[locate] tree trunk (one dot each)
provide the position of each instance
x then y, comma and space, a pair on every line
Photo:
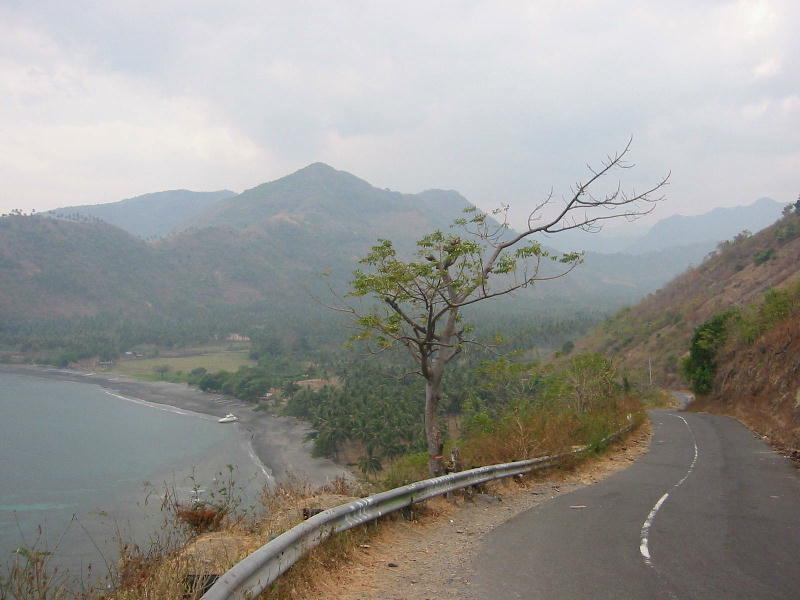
433, 390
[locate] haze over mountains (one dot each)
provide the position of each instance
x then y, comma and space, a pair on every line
261, 250
150, 215
678, 230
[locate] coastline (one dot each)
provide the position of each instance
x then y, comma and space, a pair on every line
275, 442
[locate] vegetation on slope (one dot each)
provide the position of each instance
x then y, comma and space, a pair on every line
149, 216
72, 289
756, 365
657, 332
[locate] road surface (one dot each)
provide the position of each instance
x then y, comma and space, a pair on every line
709, 512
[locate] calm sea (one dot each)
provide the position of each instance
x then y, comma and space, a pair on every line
78, 464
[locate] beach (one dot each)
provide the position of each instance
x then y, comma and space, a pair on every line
278, 443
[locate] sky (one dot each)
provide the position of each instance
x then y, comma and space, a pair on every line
502, 101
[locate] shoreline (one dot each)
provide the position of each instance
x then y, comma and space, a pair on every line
277, 443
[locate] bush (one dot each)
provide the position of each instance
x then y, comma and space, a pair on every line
700, 366
764, 255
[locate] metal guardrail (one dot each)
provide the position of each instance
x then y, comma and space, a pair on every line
248, 578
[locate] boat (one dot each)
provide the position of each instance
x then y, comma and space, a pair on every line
229, 418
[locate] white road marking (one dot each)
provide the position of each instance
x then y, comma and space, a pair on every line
646, 528
648, 522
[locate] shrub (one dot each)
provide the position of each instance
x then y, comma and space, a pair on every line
764, 255
700, 366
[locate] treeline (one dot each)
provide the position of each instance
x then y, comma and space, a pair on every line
61, 341
502, 409
374, 400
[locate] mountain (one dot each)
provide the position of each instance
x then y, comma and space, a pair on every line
255, 252
324, 201
708, 228
56, 268
701, 231
656, 333
255, 258
150, 215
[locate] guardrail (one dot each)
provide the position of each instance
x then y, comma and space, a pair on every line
248, 578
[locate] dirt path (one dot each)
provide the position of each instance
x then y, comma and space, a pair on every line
430, 558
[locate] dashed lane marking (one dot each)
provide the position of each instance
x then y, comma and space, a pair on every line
644, 548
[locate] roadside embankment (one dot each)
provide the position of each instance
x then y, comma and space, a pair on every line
430, 556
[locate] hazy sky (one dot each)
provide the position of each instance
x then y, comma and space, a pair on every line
105, 100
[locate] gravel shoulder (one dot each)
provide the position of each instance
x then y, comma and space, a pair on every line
431, 557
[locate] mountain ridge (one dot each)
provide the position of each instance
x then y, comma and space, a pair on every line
260, 254
150, 215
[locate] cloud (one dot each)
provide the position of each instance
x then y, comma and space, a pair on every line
498, 101
73, 132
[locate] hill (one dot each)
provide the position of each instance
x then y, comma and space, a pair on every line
756, 368
254, 260
147, 216
250, 263
657, 332
676, 232
58, 268
709, 228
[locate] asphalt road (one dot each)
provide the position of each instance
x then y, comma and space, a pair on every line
709, 512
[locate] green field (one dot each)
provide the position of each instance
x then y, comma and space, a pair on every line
217, 360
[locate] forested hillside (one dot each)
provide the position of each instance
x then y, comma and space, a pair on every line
148, 216
249, 262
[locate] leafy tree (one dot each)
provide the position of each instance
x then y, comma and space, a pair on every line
793, 208
700, 366
417, 304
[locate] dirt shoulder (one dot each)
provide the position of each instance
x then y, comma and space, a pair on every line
431, 557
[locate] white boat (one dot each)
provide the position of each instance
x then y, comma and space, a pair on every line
229, 418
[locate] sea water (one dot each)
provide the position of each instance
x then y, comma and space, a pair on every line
82, 467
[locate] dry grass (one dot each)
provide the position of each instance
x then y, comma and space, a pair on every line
529, 433
659, 329
197, 543
142, 368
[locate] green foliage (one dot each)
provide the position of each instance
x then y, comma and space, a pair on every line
764, 255
792, 209
374, 405
406, 469
576, 401
760, 317
788, 231
161, 370
446, 273
743, 325
700, 366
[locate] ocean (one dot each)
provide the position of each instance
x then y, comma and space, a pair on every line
81, 467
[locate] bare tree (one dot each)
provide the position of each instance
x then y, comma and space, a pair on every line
419, 301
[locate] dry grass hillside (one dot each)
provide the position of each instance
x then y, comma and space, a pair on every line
659, 329
759, 382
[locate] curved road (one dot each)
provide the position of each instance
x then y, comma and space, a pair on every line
709, 512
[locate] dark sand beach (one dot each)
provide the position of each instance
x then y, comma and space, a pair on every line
278, 442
